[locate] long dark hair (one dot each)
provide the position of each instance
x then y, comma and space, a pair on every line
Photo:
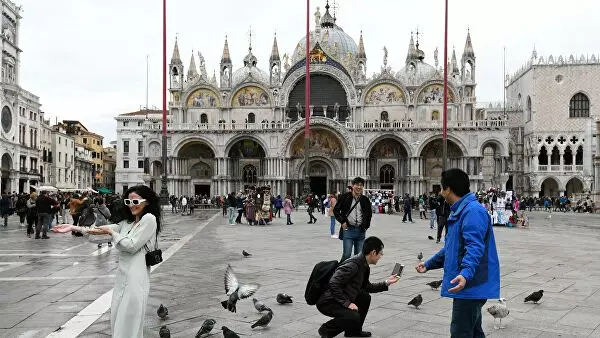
152, 206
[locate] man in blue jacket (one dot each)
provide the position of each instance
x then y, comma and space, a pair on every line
469, 257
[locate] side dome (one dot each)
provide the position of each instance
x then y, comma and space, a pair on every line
249, 72
416, 72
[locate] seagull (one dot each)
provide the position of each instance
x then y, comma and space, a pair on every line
260, 306
206, 327
164, 332
246, 253
235, 291
283, 298
227, 333
430, 238
417, 301
264, 320
498, 310
420, 256
435, 284
162, 312
535, 296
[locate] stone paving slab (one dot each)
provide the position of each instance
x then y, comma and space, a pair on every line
557, 254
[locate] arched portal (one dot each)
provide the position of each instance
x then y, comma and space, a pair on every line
321, 176
574, 188
327, 96
491, 164
431, 156
549, 188
193, 169
387, 153
246, 163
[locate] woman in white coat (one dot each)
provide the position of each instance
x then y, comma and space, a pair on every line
132, 236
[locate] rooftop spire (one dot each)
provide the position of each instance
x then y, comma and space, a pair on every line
192, 70
454, 65
468, 46
412, 51
226, 58
361, 47
327, 21
176, 58
274, 50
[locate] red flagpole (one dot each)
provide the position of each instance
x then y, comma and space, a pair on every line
164, 192
445, 122
307, 105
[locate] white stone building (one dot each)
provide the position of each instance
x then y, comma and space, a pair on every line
555, 99
247, 129
63, 148
84, 167
19, 113
46, 158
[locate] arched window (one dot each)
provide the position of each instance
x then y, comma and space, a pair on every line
249, 174
555, 156
568, 156
203, 118
386, 174
435, 115
251, 118
579, 156
543, 156
384, 116
519, 101
579, 106
528, 109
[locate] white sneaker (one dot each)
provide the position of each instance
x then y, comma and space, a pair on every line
334, 236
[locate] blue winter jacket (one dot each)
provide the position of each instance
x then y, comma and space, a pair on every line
470, 251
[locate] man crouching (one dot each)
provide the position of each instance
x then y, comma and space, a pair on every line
347, 299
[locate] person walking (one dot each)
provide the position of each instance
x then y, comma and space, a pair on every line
231, 205
442, 212
4, 208
433, 205
406, 202
288, 207
312, 202
278, 205
353, 211
43, 205
131, 235
31, 214
347, 299
332, 202
469, 257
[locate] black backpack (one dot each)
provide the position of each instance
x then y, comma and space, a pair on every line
318, 281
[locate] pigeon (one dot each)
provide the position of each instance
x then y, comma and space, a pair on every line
435, 284
417, 301
162, 312
206, 327
430, 238
420, 256
498, 310
264, 320
227, 333
283, 298
260, 306
535, 296
235, 291
164, 332
246, 253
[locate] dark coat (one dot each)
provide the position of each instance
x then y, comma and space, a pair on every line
345, 202
348, 279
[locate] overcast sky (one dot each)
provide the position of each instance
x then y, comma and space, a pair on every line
86, 59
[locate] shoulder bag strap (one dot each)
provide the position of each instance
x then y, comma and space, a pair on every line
354, 206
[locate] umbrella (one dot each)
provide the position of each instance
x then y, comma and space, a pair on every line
104, 190
45, 188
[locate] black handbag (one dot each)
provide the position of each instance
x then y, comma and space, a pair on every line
155, 256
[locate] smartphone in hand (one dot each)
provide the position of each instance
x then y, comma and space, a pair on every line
397, 270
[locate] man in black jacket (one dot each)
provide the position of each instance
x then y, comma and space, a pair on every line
442, 211
353, 211
347, 299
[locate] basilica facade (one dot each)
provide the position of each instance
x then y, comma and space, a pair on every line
247, 128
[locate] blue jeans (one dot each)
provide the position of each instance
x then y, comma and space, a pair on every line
466, 318
231, 214
332, 225
353, 236
432, 219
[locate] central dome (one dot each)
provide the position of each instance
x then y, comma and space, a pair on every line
249, 71
334, 41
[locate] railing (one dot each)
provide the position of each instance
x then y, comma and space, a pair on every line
567, 167
542, 168
579, 168
555, 168
560, 168
364, 125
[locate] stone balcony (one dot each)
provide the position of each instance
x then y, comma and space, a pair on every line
559, 168
362, 126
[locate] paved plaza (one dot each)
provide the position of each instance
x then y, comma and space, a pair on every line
47, 283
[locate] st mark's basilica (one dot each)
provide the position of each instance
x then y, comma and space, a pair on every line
248, 128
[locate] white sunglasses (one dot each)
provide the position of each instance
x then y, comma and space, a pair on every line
128, 201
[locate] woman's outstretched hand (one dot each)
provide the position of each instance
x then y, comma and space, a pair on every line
63, 228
